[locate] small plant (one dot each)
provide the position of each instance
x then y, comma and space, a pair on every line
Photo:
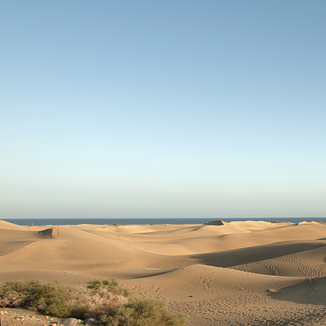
143, 313
94, 285
111, 286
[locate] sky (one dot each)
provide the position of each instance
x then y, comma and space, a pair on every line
162, 109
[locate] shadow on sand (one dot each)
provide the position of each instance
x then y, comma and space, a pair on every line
309, 291
254, 254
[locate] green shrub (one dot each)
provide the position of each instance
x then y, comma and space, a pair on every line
50, 299
94, 285
143, 313
111, 286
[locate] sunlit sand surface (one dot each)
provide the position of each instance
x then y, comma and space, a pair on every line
238, 273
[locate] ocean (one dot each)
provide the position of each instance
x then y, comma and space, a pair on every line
146, 221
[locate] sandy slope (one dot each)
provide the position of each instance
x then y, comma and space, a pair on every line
239, 273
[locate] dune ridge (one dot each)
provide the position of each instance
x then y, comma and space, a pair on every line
237, 273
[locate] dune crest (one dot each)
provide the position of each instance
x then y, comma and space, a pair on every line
11, 226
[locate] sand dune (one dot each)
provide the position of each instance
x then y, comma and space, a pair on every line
9, 226
238, 273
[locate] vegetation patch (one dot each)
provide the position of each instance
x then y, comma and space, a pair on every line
142, 312
103, 300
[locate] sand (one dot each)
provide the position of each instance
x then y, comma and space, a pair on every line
237, 273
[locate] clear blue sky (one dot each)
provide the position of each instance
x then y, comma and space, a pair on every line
163, 108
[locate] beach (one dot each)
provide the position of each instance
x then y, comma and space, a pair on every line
235, 273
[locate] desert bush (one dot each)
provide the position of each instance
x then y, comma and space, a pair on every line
97, 301
143, 313
105, 301
51, 299
111, 286
61, 301
94, 285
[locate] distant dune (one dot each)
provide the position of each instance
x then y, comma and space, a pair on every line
218, 273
